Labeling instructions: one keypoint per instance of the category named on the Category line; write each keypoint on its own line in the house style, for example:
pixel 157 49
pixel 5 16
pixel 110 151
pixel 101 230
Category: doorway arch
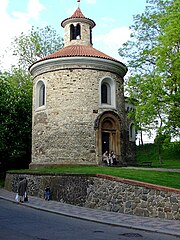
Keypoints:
pixel 107 127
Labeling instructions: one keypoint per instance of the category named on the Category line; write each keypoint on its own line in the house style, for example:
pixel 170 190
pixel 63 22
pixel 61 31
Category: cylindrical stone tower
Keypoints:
pixel 78 101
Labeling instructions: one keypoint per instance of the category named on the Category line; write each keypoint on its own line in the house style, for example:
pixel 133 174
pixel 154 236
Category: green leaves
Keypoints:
pixel 15 118
pixel 16 96
pixel 36 44
pixel 154 61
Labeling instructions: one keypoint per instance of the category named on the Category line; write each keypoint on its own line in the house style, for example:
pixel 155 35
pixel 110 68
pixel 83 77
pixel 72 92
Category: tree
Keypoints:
pixel 168 63
pixel 15 118
pixel 36 44
pixel 154 61
pixel 16 96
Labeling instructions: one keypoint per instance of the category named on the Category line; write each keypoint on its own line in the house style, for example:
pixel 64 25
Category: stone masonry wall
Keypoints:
pixel 104 192
pixel 85 35
pixel 63 132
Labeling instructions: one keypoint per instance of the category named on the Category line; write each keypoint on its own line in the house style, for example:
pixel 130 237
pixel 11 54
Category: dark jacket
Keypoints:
pixel 22 187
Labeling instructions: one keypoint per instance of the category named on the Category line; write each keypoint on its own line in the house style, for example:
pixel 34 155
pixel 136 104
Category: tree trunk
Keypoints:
pixel 142 138
pixel 159 153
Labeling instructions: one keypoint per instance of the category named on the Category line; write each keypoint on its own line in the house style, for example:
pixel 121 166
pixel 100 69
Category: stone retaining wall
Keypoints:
pixel 103 192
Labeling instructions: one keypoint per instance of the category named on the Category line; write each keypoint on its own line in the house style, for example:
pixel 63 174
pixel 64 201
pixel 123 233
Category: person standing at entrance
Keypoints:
pixel 105 157
pixel 110 160
pixel 113 156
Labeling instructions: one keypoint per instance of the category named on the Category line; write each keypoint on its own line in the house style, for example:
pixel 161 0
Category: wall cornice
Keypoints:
pixel 78 20
pixel 55 64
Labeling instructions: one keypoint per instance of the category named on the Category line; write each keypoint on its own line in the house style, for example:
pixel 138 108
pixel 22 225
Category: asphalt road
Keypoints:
pixel 18 222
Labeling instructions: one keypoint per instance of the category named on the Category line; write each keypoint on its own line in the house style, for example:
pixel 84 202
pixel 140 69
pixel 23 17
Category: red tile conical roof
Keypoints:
pixel 78 14
pixel 78 51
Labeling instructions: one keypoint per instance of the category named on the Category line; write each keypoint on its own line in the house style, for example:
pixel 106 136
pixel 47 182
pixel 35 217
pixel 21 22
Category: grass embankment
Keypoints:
pixel 169 179
pixel 170 155
pixel 148 152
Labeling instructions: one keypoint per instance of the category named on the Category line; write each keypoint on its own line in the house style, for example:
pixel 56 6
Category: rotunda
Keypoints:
pixel 78 102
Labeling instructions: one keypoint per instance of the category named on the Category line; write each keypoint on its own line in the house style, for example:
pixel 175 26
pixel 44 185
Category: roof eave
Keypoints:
pixel 78 19
pixel 98 63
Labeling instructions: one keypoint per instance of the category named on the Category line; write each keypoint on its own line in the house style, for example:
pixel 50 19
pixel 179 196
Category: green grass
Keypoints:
pixel 170 155
pixel 148 152
pixel 169 179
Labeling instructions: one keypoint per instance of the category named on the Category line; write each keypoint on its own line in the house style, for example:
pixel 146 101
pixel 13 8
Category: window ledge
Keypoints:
pixel 41 108
pixel 132 139
pixel 107 106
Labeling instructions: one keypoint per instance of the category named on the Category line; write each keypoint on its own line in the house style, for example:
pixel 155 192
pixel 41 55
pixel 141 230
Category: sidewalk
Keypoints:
pixel 171 227
pixel 155 169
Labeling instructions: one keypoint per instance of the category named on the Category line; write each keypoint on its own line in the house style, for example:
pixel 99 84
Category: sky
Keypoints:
pixel 112 19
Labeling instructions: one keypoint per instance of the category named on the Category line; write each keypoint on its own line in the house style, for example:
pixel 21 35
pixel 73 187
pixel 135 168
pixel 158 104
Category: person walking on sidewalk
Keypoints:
pixel 22 189
pixel 47 193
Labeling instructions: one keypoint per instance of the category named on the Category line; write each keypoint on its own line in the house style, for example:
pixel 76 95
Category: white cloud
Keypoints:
pixel 110 42
pixel 3 5
pixel 12 24
pixel 35 8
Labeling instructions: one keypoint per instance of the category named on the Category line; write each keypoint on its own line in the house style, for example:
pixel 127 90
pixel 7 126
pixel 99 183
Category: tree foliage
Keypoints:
pixel 16 96
pixel 15 118
pixel 36 44
pixel 154 62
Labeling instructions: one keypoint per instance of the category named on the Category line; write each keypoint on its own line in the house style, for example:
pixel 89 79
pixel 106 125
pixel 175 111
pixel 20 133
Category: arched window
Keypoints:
pixel 90 29
pixel 107 93
pixel 72 32
pixel 132 132
pixel 78 31
pixel 40 94
pixel 75 32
